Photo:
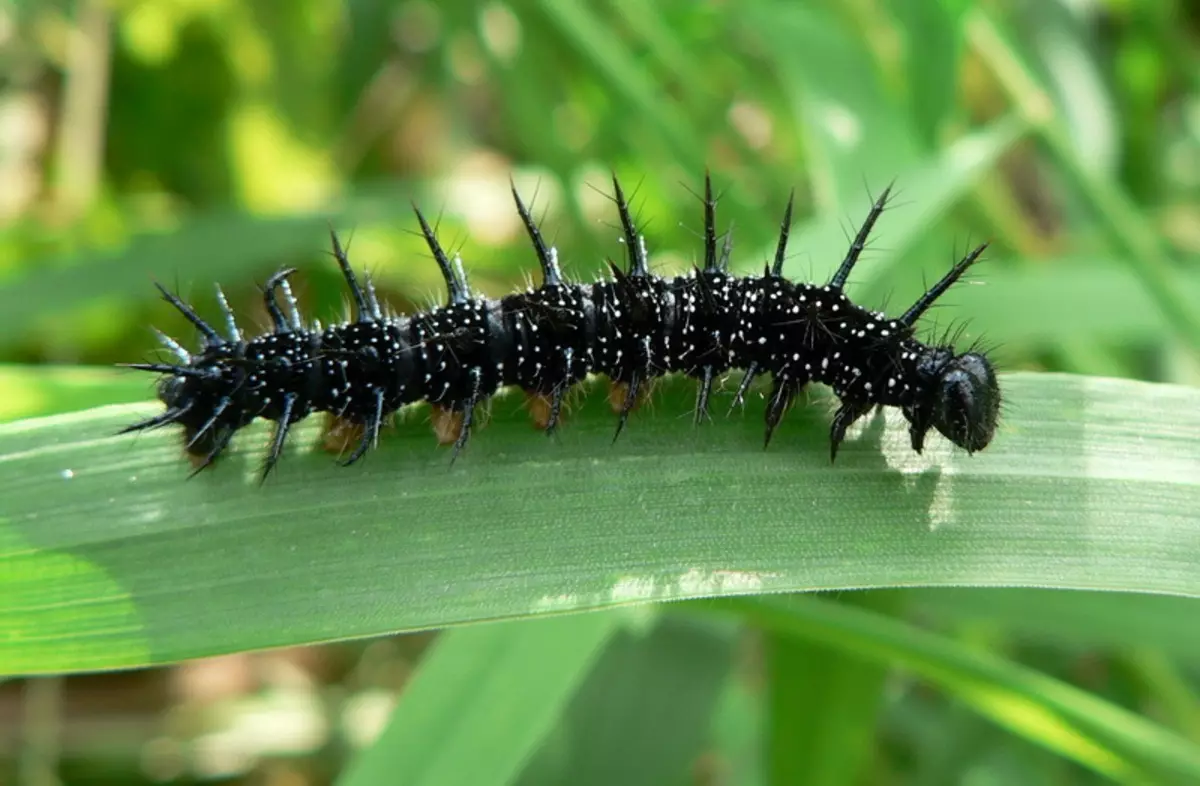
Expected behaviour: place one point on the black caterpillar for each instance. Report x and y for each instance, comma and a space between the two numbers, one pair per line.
632, 328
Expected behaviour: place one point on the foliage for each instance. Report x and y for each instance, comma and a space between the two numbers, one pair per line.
214, 141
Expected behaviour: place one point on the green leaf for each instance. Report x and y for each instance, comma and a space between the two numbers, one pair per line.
933, 42
577, 26
737, 727
482, 701
1129, 232
1010, 305
932, 188
30, 391
854, 130
1087, 619
822, 708
105, 546
642, 715
1072, 722
220, 246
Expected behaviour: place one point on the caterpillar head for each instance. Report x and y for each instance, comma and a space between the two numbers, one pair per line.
173, 391
967, 402
962, 400
203, 394
188, 403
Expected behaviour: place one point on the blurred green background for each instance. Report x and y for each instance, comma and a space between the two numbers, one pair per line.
202, 141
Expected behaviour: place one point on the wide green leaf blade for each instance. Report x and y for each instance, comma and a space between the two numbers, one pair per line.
105, 547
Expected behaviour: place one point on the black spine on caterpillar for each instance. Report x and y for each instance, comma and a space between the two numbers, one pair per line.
552, 330
366, 367
635, 317
632, 327
707, 303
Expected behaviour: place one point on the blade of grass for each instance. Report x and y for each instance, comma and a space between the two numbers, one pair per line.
822, 707
737, 728
860, 140
945, 740
641, 717
1124, 224
854, 131
220, 246
927, 191
104, 546
1027, 305
581, 28
933, 33
481, 702
1171, 689
1084, 619
1072, 722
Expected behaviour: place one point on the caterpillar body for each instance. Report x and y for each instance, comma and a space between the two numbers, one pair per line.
632, 327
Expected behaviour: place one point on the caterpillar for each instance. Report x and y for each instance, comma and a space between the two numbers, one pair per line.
631, 326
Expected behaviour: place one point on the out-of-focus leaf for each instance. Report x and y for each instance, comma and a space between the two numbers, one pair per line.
822, 708
933, 44
218, 247
1085, 619
642, 716
32, 391
1072, 722
482, 701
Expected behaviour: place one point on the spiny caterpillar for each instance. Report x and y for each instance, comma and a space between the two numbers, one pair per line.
631, 327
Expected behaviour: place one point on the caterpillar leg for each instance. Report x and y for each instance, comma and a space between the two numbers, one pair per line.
546, 410
468, 413
279, 437
702, 394
370, 434
339, 434
783, 391
625, 398
747, 381
849, 412
539, 405
220, 440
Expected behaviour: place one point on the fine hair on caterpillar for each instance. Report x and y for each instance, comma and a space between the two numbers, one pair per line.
630, 326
